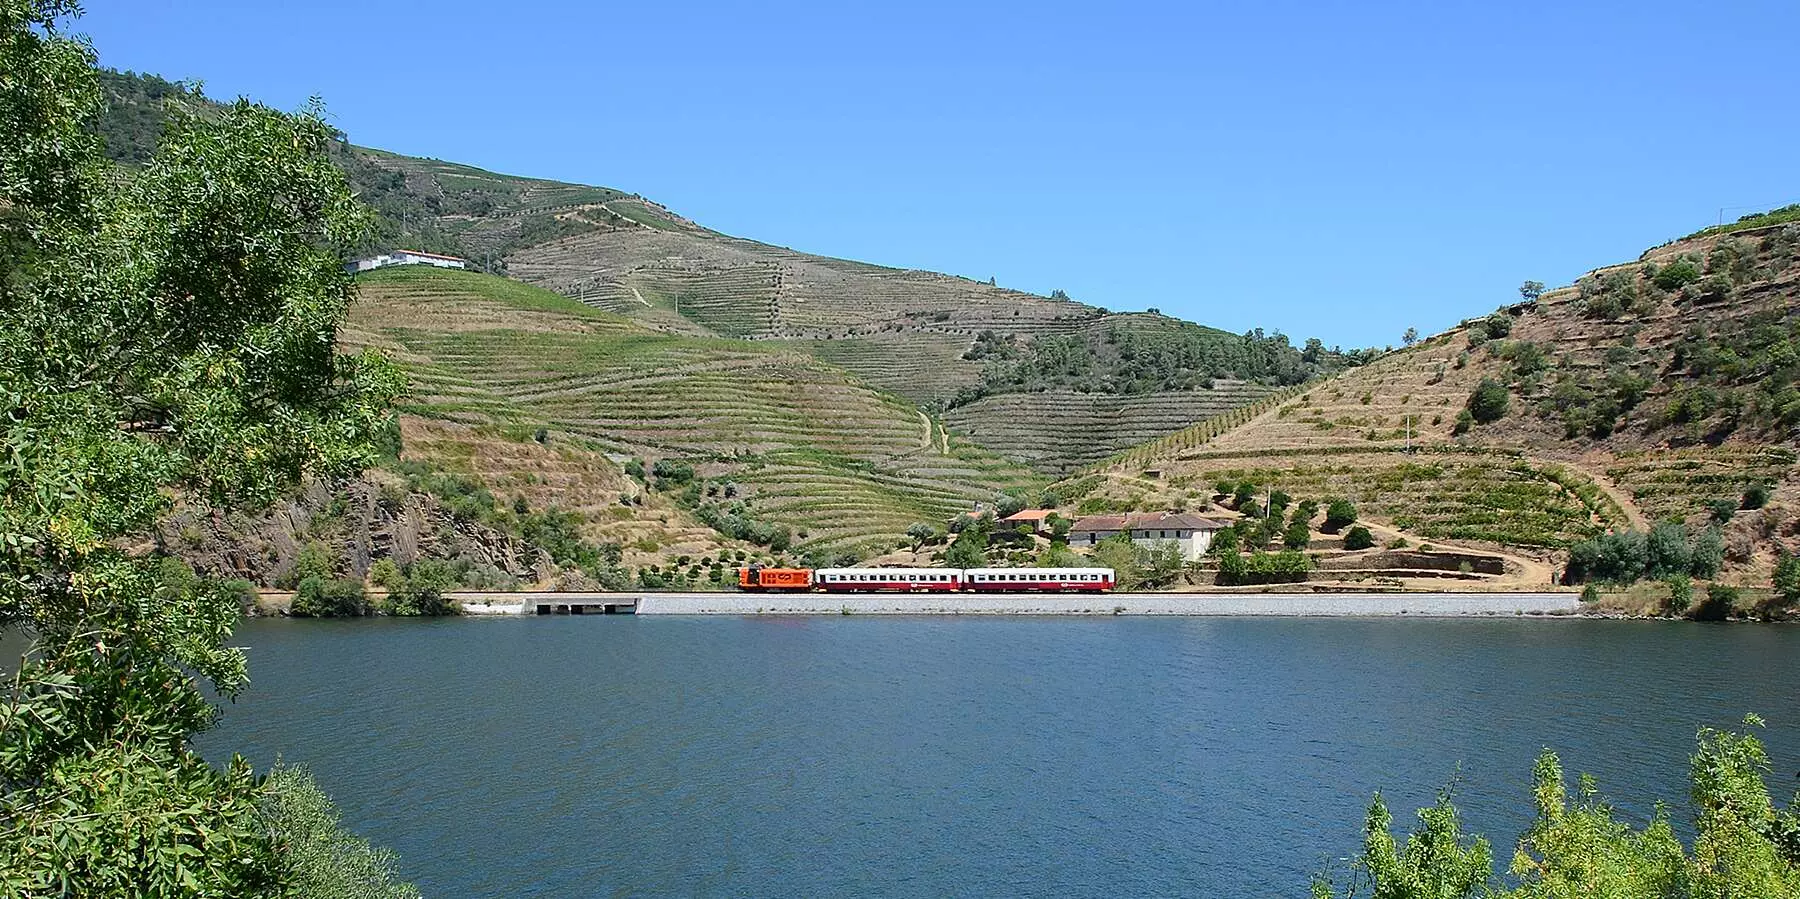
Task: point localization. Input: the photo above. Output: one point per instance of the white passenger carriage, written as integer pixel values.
(904, 580)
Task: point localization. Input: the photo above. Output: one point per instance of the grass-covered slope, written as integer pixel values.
(1663, 388)
(810, 446)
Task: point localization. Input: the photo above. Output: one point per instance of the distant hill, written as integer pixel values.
(938, 341)
(1662, 388)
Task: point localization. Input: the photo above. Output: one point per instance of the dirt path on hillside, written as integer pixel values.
(1634, 517)
(1521, 571)
(925, 441)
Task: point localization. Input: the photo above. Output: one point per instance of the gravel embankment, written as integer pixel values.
(1292, 604)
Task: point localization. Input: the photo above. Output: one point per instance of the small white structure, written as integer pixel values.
(1191, 533)
(403, 257)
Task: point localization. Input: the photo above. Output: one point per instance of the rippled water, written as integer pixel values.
(837, 756)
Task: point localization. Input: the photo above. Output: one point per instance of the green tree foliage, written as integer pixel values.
(174, 331)
(320, 858)
(1339, 514)
(1489, 401)
(1265, 568)
(1531, 290)
(1297, 536)
(1756, 496)
(1122, 556)
(315, 560)
(319, 597)
(1358, 537)
(1786, 581)
(1464, 421)
(1226, 542)
(1676, 274)
(1058, 555)
(1243, 495)
(1624, 557)
(1681, 593)
(969, 549)
(921, 533)
(1720, 602)
(1744, 845)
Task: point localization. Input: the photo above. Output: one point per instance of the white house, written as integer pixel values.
(403, 257)
(1192, 533)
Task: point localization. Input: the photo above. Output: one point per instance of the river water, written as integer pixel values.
(862, 756)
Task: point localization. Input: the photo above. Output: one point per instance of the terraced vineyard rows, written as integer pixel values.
(1059, 431)
(817, 449)
(1680, 483)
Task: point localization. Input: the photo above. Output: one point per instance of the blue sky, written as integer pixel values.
(1340, 170)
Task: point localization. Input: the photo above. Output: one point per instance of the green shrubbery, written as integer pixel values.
(1263, 568)
(318, 597)
(1624, 557)
(1339, 514)
(1489, 401)
(1744, 844)
(1358, 537)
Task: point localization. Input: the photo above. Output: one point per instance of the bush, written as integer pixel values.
(1243, 494)
(1756, 496)
(1226, 542)
(317, 597)
(1721, 600)
(322, 860)
(1339, 515)
(315, 560)
(1297, 536)
(1464, 421)
(1722, 509)
(1681, 593)
(1266, 568)
(1489, 401)
(1676, 274)
(1358, 538)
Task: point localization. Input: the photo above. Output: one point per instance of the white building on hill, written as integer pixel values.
(403, 257)
(1190, 532)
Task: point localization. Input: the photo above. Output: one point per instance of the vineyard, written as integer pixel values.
(811, 447)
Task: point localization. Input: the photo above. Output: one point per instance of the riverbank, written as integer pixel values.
(1418, 605)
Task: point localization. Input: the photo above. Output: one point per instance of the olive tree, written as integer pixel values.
(169, 332)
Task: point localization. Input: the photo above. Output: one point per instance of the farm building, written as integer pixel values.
(1035, 519)
(1191, 532)
(403, 257)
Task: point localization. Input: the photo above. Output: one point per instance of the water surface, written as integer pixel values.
(835, 756)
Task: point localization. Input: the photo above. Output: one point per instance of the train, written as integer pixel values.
(757, 578)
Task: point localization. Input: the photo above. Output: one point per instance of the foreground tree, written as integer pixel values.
(173, 331)
(1744, 845)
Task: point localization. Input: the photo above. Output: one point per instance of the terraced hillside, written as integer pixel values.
(1664, 388)
(1062, 430)
(806, 445)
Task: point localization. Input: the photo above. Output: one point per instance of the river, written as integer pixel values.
(866, 756)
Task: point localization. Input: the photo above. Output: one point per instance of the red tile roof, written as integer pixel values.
(1030, 515)
(1147, 521)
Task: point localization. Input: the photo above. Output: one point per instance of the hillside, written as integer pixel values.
(782, 437)
(1664, 388)
(937, 341)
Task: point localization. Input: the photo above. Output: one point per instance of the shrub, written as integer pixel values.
(1267, 568)
(1722, 509)
(1464, 421)
(1590, 593)
(1226, 542)
(1359, 538)
(1681, 593)
(1297, 536)
(1721, 600)
(1676, 274)
(315, 560)
(318, 597)
(1339, 515)
(1786, 582)
(1489, 401)
(1756, 496)
(1242, 494)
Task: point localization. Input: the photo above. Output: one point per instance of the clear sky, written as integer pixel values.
(1331, 169)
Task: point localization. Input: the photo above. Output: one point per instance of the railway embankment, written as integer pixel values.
(1421, 605)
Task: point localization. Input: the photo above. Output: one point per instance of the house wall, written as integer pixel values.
(1193, 543)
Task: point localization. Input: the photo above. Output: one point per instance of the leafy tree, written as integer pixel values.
(1489, 401)
(1786, 581)
(1721, 510)
(1242, 494)
(1232, 568)
(1464, 421)
(321, 859)
(1339, 514)
(1744, 845)
(1721, 600)
(1123, 557)
(174, 331)
(1531, 290)
(318, 597)
(1224, 543)
(921, 533)
(315, 560)
(1676, 274)
(969, 549)
(1681, 592)
(1410, 337)
(1058, 555)
(1358, 537)
(1297, 536)
(1008, 504)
